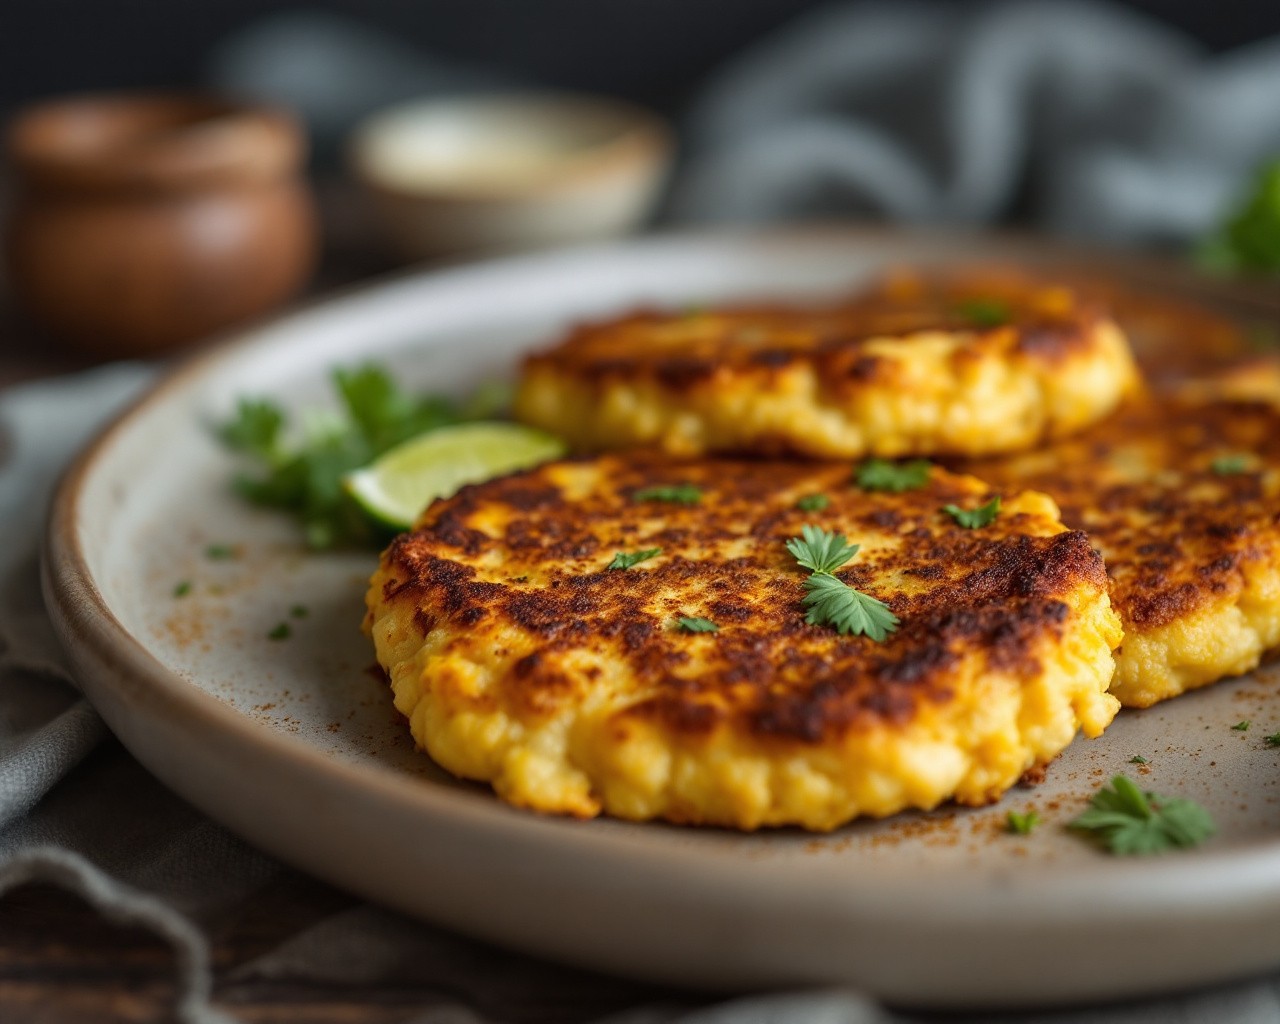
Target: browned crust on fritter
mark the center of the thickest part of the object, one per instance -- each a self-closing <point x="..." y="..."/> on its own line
<point x="1175" y="534"/>
<point x="1047" y="325"/>
<point x="514" y="558"/>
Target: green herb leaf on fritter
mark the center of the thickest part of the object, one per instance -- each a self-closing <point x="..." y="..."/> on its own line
<point x="679" y="494"/>
<point x="625" y="559"/>
<point x="813" y="503"/>
<point x="974" y="519"/>
<point x="1230" y="465"/>
<point x="984" y="312"/>
<point x="696" y="624"/>
<point x="883" y="475"/>
<point x="832" y="602"/>
<point x="820" y="550"/>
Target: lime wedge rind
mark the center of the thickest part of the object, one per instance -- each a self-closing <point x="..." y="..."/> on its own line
<point x="399" y="484"/>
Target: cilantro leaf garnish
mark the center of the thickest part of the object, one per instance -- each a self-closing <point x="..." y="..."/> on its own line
<point x="1021" y="824"/>
<point x="1230" y="465"/>
<point x="625" y="559"/>
<point x="883" y="475"/>
<point x="680" y="494"/>
<point x="696" y="624"/>
<point x="973" y="519"/>
<point x="831" y="601"/>
<point x="1128" y="821"/>
<point x="1241" y="726"/>
<point x="304" y="477"/>
<point x="984" y="312"/>
<point x="255" y="429"/>
<point x="819" y="550"/>
<point x="813" y="503"/>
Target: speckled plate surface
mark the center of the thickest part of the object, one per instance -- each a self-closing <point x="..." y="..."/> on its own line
<point x="294" y="743"/>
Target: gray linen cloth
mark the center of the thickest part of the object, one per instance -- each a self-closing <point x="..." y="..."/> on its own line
<point x="1107" y="125"/>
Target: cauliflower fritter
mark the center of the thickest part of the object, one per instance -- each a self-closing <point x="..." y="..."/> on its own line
<point x="521" y="658"/>
<point x="965" y="366"/>
<point x="1182" y="498"/>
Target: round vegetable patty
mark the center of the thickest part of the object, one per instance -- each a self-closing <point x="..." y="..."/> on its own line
<point x="628" y="634"/>
<point x="961" y="366"/>
<point x="1182" y="497"/>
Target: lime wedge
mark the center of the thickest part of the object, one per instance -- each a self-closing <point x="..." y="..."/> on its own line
<point x="399" y="484"/>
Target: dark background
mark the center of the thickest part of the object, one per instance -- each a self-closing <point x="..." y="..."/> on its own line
<point x="653" y="51"/>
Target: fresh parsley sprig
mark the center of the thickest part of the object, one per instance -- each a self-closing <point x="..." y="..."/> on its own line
<point x="819" y="550"/>
<point x="626" y="559"/>
<point x="1128" y="821"/>
<point x="883" y="475"/>
<point x="974" y="519"/>
<point x="679" y="494"/>
<point x="831" y="601"/>
<point x="305" y="478"/>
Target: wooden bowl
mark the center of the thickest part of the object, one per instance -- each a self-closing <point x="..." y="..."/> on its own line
<point x="143" y="222"/>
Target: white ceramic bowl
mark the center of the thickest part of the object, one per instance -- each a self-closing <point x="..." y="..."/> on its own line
<point x="500" y="173"/>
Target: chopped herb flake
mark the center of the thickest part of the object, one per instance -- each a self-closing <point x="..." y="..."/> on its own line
<point x="281" y="632"/>
<point x="1273" y="740"/>
<point x="1138" y="759"/>
<point x="973" y="519"/>
<point x="984" y="312"/>
<point x="219" y="552"/>
<point x="182" y="589"/>
<point x="696" y="624"/>
<point x="299" y="611"/>
<point x="1241" y="726"/>
<point x="1230" y="465"/>
<point x="1021" y="824"/>
<point x="625" y="559"/>
<point x="883" y="475"/>
<point x="813" y="503"/>
<point x="680" y="494"/>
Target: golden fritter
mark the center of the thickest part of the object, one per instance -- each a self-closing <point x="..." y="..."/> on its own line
<point x="1182" y="498"/>
<point x="913" y="367"/>
<point x="524" y="655"/>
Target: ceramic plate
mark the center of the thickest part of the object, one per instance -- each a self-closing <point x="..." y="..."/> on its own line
<point x="294" y="743"/>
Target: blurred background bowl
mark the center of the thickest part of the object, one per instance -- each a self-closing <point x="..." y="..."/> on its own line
<point x="501" y="173"/>
<point x="143" y="221"/>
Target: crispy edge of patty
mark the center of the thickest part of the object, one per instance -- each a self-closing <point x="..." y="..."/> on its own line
<point x="872" y="378"/>
<point x="1199" y="591"/>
